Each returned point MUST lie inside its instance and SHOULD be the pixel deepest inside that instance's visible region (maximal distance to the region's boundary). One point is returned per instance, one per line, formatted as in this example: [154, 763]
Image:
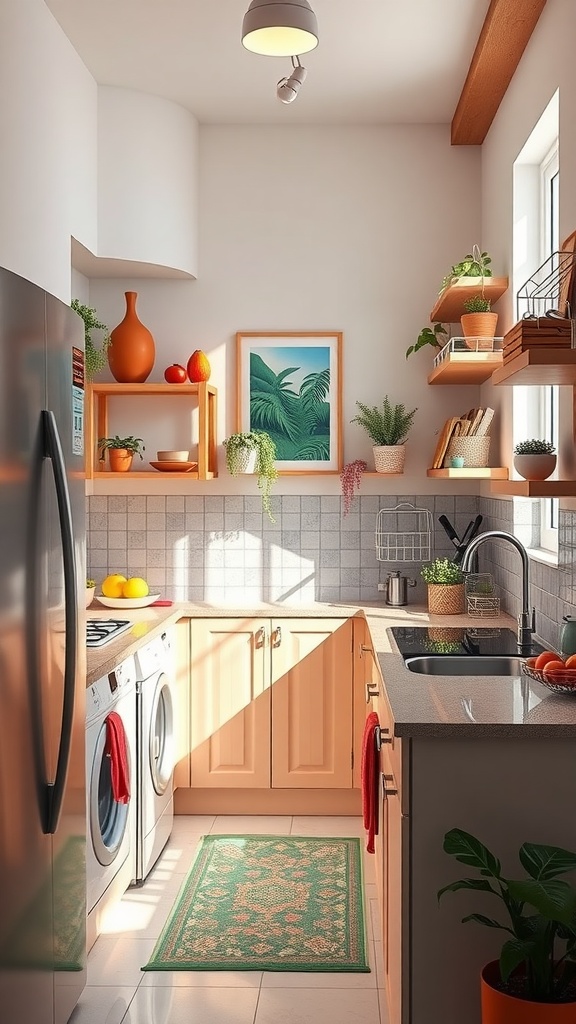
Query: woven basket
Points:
[446, 599]
[474, 450]
[389, 459]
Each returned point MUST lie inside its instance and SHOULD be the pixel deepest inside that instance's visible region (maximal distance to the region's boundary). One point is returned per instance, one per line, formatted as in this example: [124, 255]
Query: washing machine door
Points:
[161, 744]
[108, 819]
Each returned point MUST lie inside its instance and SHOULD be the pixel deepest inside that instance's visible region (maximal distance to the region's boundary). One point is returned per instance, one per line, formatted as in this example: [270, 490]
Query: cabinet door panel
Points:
[181, 661]
[230, 704]
[312, 704]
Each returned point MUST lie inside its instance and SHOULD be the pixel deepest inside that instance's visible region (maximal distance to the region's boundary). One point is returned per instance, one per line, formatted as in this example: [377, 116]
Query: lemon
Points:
[112, 585]
[135, 587]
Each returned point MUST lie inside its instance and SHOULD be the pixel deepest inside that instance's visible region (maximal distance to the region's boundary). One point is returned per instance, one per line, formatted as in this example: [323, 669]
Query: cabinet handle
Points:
[372, 690]
[277, 636]
[260, 637]
[388, 791]
[380, 737]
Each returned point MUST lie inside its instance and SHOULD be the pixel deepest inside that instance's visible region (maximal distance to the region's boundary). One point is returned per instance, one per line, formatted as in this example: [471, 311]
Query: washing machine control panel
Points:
[105, 691]
[153, 657]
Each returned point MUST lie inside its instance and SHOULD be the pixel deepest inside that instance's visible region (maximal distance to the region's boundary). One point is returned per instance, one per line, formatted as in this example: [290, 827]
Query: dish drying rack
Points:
[404, 534]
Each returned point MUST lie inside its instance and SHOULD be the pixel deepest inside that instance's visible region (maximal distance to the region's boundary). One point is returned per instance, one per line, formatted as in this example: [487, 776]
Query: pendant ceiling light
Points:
[280, 29]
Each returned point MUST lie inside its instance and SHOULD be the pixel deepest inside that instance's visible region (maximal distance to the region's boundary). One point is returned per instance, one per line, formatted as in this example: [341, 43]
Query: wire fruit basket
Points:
[481, 598]
[404, 534]
[561, 680]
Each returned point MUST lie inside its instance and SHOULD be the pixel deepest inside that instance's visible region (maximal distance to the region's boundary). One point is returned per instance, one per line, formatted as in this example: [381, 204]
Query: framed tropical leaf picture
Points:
[290, 385]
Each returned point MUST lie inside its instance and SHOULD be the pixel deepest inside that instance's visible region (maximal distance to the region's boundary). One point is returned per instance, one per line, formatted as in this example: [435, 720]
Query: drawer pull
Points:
[260, 637]
[388, 791]
[380, 738]
[372, 690]
[277, 636]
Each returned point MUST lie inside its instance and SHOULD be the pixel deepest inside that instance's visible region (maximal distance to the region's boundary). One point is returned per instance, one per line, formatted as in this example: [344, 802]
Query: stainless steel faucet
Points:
[527, 617]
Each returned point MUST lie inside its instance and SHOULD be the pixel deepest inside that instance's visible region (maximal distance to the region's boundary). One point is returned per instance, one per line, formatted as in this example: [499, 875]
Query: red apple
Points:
[175, 374]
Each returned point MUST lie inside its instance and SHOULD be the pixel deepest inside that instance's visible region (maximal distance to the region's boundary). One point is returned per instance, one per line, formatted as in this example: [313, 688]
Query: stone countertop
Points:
[422, 705]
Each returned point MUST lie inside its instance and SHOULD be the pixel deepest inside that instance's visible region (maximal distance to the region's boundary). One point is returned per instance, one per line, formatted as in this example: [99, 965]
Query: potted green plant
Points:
[478, 322]
[535, 460]
[474, 264]
[253, 451]
[436, 336]
[95, 359]
[121, 451]
[534, 981]
[445, 582]
[388, 427]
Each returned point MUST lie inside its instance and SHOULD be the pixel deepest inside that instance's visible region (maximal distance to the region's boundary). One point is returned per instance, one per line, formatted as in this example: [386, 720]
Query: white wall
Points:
[48, 122]
[330, 228]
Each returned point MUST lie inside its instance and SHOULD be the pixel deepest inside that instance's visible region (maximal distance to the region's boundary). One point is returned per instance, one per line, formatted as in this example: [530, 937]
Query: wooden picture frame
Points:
[290, 384]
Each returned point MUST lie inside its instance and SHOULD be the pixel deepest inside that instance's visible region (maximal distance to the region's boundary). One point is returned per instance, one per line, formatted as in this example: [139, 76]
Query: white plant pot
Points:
[247, 461]
[535, 467]
[389, 458]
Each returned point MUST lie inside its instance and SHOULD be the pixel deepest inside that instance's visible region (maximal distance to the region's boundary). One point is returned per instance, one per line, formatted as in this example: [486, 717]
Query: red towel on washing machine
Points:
[117, 751]
[369, 779]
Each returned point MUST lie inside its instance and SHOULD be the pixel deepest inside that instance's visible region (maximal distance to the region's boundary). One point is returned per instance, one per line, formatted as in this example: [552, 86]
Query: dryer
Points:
[111, 825]
[155, 752]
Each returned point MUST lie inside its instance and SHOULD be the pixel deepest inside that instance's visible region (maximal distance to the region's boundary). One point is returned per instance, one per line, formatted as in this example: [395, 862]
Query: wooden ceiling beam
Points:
[505, 33]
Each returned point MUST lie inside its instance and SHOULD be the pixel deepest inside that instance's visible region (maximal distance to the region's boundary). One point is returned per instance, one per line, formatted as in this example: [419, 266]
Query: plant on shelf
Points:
[445, 581]
[95, 359]
[535, 977]
[478, 322]
[350, 478]
[534, 459]
[388, 427]
[90, 591]
[435, 336]
[121, 451]
[253, 451]
[474, 264]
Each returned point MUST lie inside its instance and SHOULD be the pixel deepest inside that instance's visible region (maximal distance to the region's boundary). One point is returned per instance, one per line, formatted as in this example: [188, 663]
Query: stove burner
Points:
[101, 631]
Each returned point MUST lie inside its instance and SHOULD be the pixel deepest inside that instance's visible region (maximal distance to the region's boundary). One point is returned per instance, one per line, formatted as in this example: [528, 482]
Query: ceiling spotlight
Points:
[288, 88]
[277, 29]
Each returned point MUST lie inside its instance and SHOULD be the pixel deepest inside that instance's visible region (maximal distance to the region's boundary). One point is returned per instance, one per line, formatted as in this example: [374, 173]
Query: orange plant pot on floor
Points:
[500, 1008]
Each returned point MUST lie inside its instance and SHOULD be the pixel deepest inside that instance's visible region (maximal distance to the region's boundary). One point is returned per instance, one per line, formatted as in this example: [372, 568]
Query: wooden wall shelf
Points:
[535, 488]
[450, 304]
[539, 366]
[466, 368]
[473, 473]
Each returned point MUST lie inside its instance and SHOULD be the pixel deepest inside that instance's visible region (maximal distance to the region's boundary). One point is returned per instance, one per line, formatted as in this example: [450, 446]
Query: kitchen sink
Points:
[485, 665]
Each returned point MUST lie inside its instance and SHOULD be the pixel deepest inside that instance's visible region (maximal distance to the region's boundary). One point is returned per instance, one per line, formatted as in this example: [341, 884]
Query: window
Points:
[549, 397]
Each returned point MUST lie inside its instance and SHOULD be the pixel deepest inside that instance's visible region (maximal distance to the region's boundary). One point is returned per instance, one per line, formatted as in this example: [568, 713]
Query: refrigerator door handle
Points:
[54, 452]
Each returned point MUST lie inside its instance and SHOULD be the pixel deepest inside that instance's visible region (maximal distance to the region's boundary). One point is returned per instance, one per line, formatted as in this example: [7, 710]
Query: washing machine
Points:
[111, 825]
[155, 752]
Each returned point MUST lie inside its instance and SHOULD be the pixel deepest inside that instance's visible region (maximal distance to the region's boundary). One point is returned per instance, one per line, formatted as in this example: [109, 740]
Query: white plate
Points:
[127, 602]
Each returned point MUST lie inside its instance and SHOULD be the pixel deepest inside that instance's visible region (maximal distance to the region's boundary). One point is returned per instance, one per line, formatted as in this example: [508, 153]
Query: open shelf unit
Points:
[471, 473]
[535, 488]
[466, 368]
[204, 395]
[450, 304]
[539, 366]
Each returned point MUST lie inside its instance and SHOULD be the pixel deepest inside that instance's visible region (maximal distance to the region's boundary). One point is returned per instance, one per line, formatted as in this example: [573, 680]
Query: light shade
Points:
[280, 29]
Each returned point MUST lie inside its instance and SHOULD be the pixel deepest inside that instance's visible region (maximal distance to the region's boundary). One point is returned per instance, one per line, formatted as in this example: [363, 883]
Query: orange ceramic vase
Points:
[500, 1008]
[131, 352]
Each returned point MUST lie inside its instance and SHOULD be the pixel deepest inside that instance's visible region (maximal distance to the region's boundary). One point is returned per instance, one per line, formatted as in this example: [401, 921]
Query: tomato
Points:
[554, 666]
[571, 661]
[545, 657]
[175, 374]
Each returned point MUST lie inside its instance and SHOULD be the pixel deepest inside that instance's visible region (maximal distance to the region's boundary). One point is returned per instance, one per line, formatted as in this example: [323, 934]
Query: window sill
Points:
[544, 556]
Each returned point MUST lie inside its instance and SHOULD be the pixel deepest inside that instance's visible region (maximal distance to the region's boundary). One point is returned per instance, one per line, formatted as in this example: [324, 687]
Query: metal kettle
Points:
[397, 589]
[568, 636]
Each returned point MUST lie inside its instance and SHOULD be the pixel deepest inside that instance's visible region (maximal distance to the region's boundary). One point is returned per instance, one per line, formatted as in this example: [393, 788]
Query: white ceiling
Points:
[379, 61]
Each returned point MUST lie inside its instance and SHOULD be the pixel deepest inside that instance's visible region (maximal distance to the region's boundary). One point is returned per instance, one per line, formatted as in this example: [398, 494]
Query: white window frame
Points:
[549, 397]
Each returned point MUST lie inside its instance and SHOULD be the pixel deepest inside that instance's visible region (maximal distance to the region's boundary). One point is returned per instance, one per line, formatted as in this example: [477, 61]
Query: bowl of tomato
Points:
[552, 671]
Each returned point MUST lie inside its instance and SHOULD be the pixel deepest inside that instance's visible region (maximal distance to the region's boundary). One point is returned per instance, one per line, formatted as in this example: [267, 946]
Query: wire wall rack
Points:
[467, 346]
[404, 534]
[550, 291]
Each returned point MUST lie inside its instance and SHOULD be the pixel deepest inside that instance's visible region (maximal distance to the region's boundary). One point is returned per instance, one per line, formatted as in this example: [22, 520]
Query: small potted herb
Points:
[535, 460]
[253, 451]
[388, 427]
[95, 359]
[121, 451]
[534, 981]
[435, 336]
[478, 323]
[445, 582]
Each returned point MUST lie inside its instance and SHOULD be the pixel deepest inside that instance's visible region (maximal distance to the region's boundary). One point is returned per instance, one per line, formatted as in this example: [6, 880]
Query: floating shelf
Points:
[463, 368]
[539, 366]
[472, 473]
[535, 488]
[450, 304]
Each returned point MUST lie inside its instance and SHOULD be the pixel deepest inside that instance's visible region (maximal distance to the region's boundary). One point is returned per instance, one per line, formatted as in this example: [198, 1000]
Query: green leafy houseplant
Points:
[94, 358]
[534, 447]
[541, 944]
[129, 444]
[239, 446]
[477, 304]
[386, 425]
[442, 572]
[434, 336]
[474, 264]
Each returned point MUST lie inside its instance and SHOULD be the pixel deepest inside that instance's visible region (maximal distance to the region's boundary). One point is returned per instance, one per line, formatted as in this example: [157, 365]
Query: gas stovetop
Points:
[101, 631]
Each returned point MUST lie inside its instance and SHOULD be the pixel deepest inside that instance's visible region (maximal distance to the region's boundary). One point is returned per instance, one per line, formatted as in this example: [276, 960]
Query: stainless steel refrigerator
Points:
[42, 656]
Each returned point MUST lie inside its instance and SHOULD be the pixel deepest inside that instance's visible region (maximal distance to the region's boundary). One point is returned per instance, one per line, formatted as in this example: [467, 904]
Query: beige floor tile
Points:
[138, 917]
[375, 925]
[118, 961]
[319, 979]
[193, 822]
[384, 1016]
[202, 979]
[317, 1006]
[100, 1005]
[369, 865]
[313, 825]
[165, 1005]
[379, 959]
[255, 824]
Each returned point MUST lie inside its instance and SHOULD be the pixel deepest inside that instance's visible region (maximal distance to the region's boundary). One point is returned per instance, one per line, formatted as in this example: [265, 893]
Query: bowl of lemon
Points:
[125, 592]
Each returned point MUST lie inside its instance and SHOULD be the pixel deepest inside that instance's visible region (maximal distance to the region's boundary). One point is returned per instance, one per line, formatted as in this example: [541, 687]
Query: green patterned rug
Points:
[267, 903]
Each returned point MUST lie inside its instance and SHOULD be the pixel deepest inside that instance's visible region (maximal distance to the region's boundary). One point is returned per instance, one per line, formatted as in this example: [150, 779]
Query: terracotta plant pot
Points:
[389, 458]
[131, 352]
[500, 1008]
[479, 325]
[535, 467]
[120, 460]
[446, 598]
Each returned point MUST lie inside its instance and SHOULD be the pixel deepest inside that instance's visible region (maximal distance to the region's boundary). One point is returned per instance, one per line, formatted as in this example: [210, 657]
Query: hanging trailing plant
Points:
[94, 358]
[350, 478]
[238, 446]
